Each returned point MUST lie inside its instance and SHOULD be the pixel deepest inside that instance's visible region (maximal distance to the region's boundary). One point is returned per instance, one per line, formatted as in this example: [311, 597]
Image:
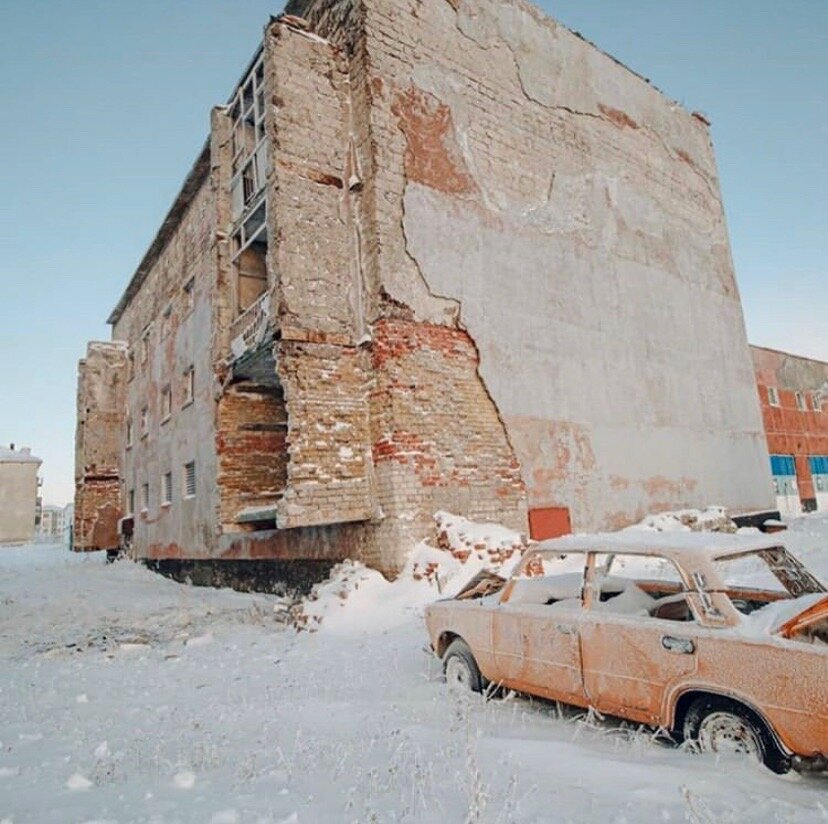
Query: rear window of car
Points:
[770, 570]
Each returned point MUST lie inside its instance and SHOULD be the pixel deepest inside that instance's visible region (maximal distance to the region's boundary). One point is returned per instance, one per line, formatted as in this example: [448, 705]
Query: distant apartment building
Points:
[424, 261]
[793, 392]
[19, 495]
[51, 523]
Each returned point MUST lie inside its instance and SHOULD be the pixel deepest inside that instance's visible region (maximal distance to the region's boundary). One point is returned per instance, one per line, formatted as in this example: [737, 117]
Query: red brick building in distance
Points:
[793, 393]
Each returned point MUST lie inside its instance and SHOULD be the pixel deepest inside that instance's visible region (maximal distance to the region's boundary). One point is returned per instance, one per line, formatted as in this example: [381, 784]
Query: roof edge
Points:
[787, 354]
[192, 183]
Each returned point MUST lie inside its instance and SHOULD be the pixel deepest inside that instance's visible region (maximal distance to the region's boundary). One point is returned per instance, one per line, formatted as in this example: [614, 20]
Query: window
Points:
[800, 401]
[642, 585]
[145, 345]
[130, 365]
[189, 386]
[129, 431]
[166, 488]
[773, 396]
[189, 479]
[189, 294]
[166, 403]
[761, 571]
[145, 497]
[816, 401]
[145, 422]
[131, 501]
[166, 320]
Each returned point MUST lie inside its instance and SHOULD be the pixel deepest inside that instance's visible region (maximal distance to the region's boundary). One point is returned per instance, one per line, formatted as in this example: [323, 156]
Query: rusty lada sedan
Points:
[722, 640]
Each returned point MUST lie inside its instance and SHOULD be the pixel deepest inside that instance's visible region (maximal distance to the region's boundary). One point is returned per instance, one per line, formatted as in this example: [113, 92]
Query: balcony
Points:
[249, 329]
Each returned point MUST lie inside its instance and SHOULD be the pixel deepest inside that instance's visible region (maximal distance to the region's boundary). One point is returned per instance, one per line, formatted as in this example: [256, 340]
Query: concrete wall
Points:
[18, 494]
[180, 335]
[544, 198]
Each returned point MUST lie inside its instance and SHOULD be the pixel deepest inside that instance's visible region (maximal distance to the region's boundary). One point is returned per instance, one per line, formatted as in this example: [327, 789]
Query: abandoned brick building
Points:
[793, 393]
[435, 254]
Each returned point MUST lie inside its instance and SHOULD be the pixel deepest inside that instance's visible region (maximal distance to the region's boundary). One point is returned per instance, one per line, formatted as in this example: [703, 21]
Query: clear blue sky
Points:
[105, 105]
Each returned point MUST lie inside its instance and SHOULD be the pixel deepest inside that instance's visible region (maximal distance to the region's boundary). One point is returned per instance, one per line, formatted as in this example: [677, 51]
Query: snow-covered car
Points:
[721, 639]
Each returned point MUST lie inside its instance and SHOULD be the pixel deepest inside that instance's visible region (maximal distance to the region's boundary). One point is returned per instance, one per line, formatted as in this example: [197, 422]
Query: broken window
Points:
[648, 586]
[145, 497]
[131, 502]
[166, 320]
[189, 295]
[773, 396]
[800, 402]
[166, 488]
[247, 111]
[145, 422]
[166, 403]
[188, 386]
[248, 188]
[130, 365]
[129, 431]
[189, 479]
[145, 345]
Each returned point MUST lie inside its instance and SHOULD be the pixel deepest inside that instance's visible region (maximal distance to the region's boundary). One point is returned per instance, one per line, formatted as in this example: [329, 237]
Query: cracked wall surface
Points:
[572, 214]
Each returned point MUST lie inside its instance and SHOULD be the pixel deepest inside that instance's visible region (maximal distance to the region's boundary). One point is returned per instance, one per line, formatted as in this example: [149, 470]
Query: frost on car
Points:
[721, 639]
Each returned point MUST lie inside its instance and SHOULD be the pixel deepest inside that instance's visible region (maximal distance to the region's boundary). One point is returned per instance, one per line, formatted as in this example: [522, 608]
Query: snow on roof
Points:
[23, 455]
[672, 544]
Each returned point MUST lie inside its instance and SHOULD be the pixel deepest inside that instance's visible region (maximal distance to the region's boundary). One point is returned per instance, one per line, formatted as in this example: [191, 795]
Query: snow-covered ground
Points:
[126, 697]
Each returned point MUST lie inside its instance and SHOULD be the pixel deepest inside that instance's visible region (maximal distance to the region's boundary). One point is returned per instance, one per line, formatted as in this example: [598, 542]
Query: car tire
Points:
[716, 725]
[460, 668]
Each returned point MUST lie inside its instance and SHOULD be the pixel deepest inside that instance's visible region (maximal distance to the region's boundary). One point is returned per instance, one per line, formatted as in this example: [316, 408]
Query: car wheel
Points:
[460, 668]
[722, 726]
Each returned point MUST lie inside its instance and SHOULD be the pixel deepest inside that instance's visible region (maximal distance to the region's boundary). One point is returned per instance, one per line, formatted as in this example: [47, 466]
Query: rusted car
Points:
[722, 640]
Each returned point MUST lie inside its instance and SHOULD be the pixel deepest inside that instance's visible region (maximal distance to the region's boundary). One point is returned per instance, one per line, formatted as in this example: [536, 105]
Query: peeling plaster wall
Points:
[181, 334]
[571, 214]
[99, 430]
[317, 296]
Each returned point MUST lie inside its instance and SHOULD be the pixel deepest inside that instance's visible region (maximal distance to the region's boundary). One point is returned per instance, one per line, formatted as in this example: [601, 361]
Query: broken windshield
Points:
[769, 570]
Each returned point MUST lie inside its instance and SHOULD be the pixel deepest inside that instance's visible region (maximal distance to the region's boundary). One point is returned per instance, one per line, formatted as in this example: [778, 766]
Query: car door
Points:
[535, 645]
[629, 658]
[536, 650]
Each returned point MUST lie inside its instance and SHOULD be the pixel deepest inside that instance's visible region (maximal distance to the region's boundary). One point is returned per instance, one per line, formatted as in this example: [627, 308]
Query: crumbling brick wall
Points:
[388, 418]
[101, 406]
[251, 424]
[318, 291]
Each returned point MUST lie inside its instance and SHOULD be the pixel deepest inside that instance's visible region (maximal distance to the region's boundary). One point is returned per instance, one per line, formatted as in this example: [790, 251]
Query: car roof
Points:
[699, 546]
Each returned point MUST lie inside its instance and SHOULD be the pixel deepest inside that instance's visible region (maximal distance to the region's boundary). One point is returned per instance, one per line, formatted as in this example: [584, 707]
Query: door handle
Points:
[565, 629]
[682, 646]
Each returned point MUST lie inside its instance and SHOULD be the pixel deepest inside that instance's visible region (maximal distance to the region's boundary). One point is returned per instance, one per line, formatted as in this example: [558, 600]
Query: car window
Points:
[755, 579]
[646, 586]
[550, 579]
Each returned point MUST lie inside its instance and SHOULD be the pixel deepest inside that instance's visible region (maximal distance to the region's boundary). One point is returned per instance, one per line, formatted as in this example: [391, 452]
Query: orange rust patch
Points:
[659, 485]
[160, 552]
[618, 483]
[431, 156]
[616, 116]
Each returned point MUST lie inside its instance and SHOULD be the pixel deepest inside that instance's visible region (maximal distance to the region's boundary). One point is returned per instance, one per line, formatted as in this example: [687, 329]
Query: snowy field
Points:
[126, 697]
